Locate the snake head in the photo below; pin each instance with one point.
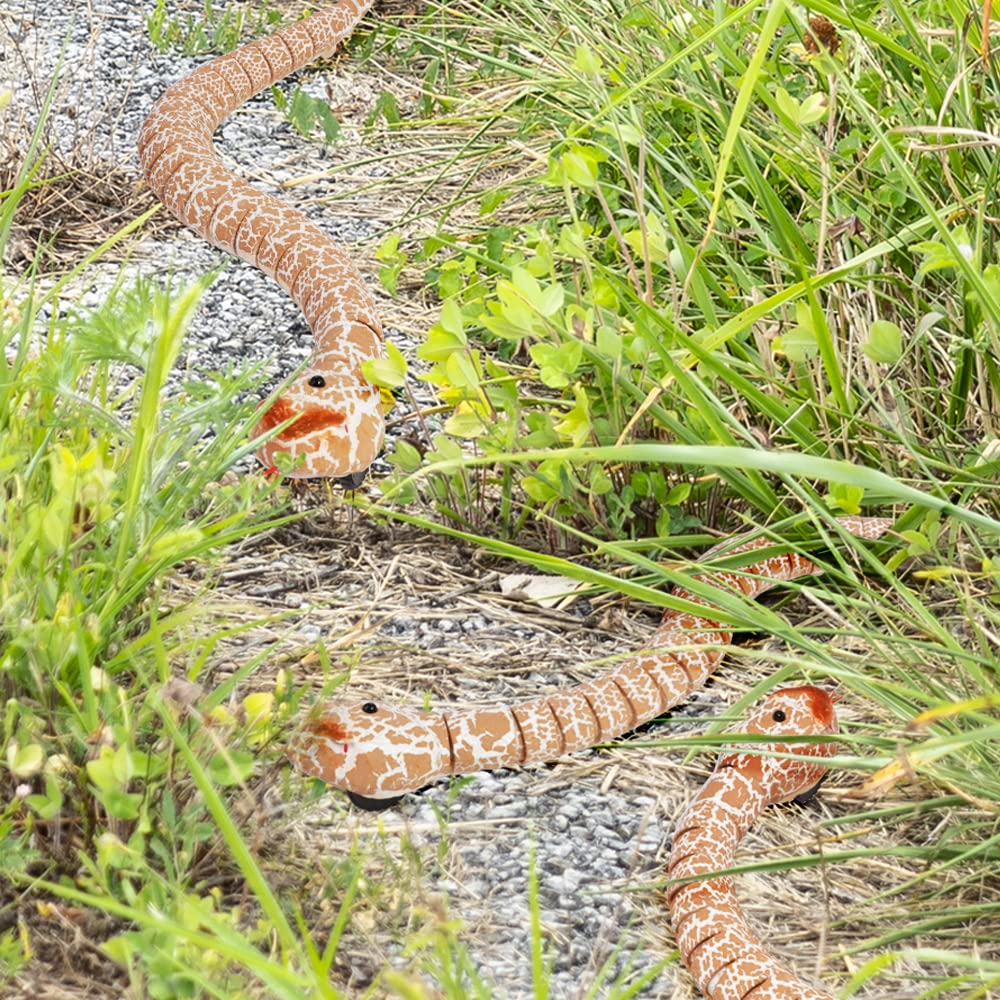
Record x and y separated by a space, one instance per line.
336 429
798 711
373 753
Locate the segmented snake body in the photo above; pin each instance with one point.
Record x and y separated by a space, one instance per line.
723 954
376 752
335 414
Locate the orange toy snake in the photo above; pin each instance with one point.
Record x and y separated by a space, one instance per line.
336 424
725 957
376 753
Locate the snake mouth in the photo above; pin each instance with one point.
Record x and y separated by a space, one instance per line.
304 422
319 748
331 729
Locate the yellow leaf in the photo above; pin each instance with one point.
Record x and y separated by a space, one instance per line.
258 707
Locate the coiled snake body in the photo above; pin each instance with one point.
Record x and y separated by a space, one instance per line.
336 426
376 752
724 956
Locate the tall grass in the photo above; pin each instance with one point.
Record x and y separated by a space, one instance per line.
116 473
712 277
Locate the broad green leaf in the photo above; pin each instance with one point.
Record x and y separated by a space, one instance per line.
468 421
587 60
389 371
799 344
25 761
884 342
231 767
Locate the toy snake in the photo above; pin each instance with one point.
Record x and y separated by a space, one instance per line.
333 415
377 752
725 957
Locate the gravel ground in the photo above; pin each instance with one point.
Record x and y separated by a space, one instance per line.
598 824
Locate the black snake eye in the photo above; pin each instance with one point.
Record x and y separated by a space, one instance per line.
318 382
369 708
778 716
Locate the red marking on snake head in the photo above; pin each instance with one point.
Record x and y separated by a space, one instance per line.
332 730
315 418
819 702
821 705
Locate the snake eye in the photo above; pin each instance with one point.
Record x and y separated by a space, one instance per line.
369 708
778 716
317 382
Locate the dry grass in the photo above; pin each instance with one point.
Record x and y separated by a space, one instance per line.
74 208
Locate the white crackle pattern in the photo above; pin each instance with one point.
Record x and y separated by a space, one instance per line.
725 957
336 417
379 752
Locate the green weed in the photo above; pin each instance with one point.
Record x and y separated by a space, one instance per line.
115 485
779 278
212 31
307 113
